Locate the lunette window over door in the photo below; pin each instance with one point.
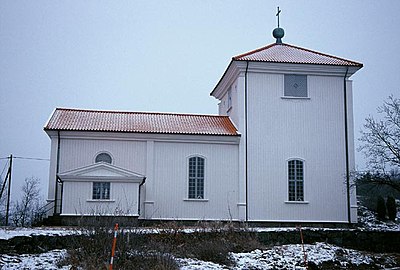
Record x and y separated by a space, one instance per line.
196 178
296 180
101 191
103 157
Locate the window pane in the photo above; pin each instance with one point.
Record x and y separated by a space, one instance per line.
192 167
299 191
292 195
295 85
200 171
96 191
103 157
291 169
200 161
299 170
192 161
192 188
106 191
196 178
296 177
200 189
101 191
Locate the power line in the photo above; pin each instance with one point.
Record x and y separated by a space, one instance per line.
33 158
28 158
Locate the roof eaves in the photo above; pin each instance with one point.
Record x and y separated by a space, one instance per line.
220 79
236 133
326 55
49 119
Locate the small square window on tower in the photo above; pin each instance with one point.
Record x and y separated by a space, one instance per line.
229 99
295 86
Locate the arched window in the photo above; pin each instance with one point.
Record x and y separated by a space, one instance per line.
103 157
296 180
196 178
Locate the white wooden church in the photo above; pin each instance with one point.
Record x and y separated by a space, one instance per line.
280 150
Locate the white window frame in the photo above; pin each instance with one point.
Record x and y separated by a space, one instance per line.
296 181
188 179
101 198
284 96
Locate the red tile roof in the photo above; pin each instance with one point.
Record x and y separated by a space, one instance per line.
140 122
285 53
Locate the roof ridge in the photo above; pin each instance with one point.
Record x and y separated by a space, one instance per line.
137 112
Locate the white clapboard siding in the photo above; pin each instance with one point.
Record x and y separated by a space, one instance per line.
171 182
52 169
164 163
128 154
309 129
77 199
231 111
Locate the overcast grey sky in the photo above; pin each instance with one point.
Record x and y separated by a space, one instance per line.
167 56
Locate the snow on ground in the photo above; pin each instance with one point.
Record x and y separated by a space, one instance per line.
193 264
8 232
46 260
278 257
367 220
289 257
292 256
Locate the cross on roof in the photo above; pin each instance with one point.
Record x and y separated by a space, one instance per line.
277 15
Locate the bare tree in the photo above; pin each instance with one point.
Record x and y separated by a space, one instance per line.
381 146
25 208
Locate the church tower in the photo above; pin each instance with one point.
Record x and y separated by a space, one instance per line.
293 109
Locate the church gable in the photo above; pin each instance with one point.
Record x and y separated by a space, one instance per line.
100 171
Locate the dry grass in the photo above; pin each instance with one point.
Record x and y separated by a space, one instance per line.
139 250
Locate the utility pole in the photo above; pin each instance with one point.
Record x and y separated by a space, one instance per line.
9 188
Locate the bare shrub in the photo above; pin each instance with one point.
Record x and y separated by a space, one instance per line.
137 249
93 251
210 241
